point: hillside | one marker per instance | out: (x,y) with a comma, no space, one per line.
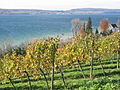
(72,11)
(74,79)
(87,63)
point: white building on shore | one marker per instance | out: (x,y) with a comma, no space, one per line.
(113,27)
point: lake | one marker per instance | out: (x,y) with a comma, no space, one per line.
(20,28)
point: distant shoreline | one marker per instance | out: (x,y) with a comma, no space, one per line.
(62,12)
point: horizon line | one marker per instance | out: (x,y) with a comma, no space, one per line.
(56,9)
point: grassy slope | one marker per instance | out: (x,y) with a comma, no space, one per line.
(75,81)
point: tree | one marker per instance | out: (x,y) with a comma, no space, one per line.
(103,26)
(84,26)
(110,32)
(76,24)
(89,25)
(82,30)
(118,23)
(78,27)
(96,32)
(82,33)
(6,46)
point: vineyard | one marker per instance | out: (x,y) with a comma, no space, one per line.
(85,63)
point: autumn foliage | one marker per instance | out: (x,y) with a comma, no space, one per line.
(103,25)
(82,32)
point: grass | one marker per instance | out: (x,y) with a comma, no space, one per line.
(74,79)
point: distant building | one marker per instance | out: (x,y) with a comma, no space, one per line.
(113,27)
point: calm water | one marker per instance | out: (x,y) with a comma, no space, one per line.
(20,28)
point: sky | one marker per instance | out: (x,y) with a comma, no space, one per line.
(59,4)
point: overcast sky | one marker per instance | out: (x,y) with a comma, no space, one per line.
(59,4)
